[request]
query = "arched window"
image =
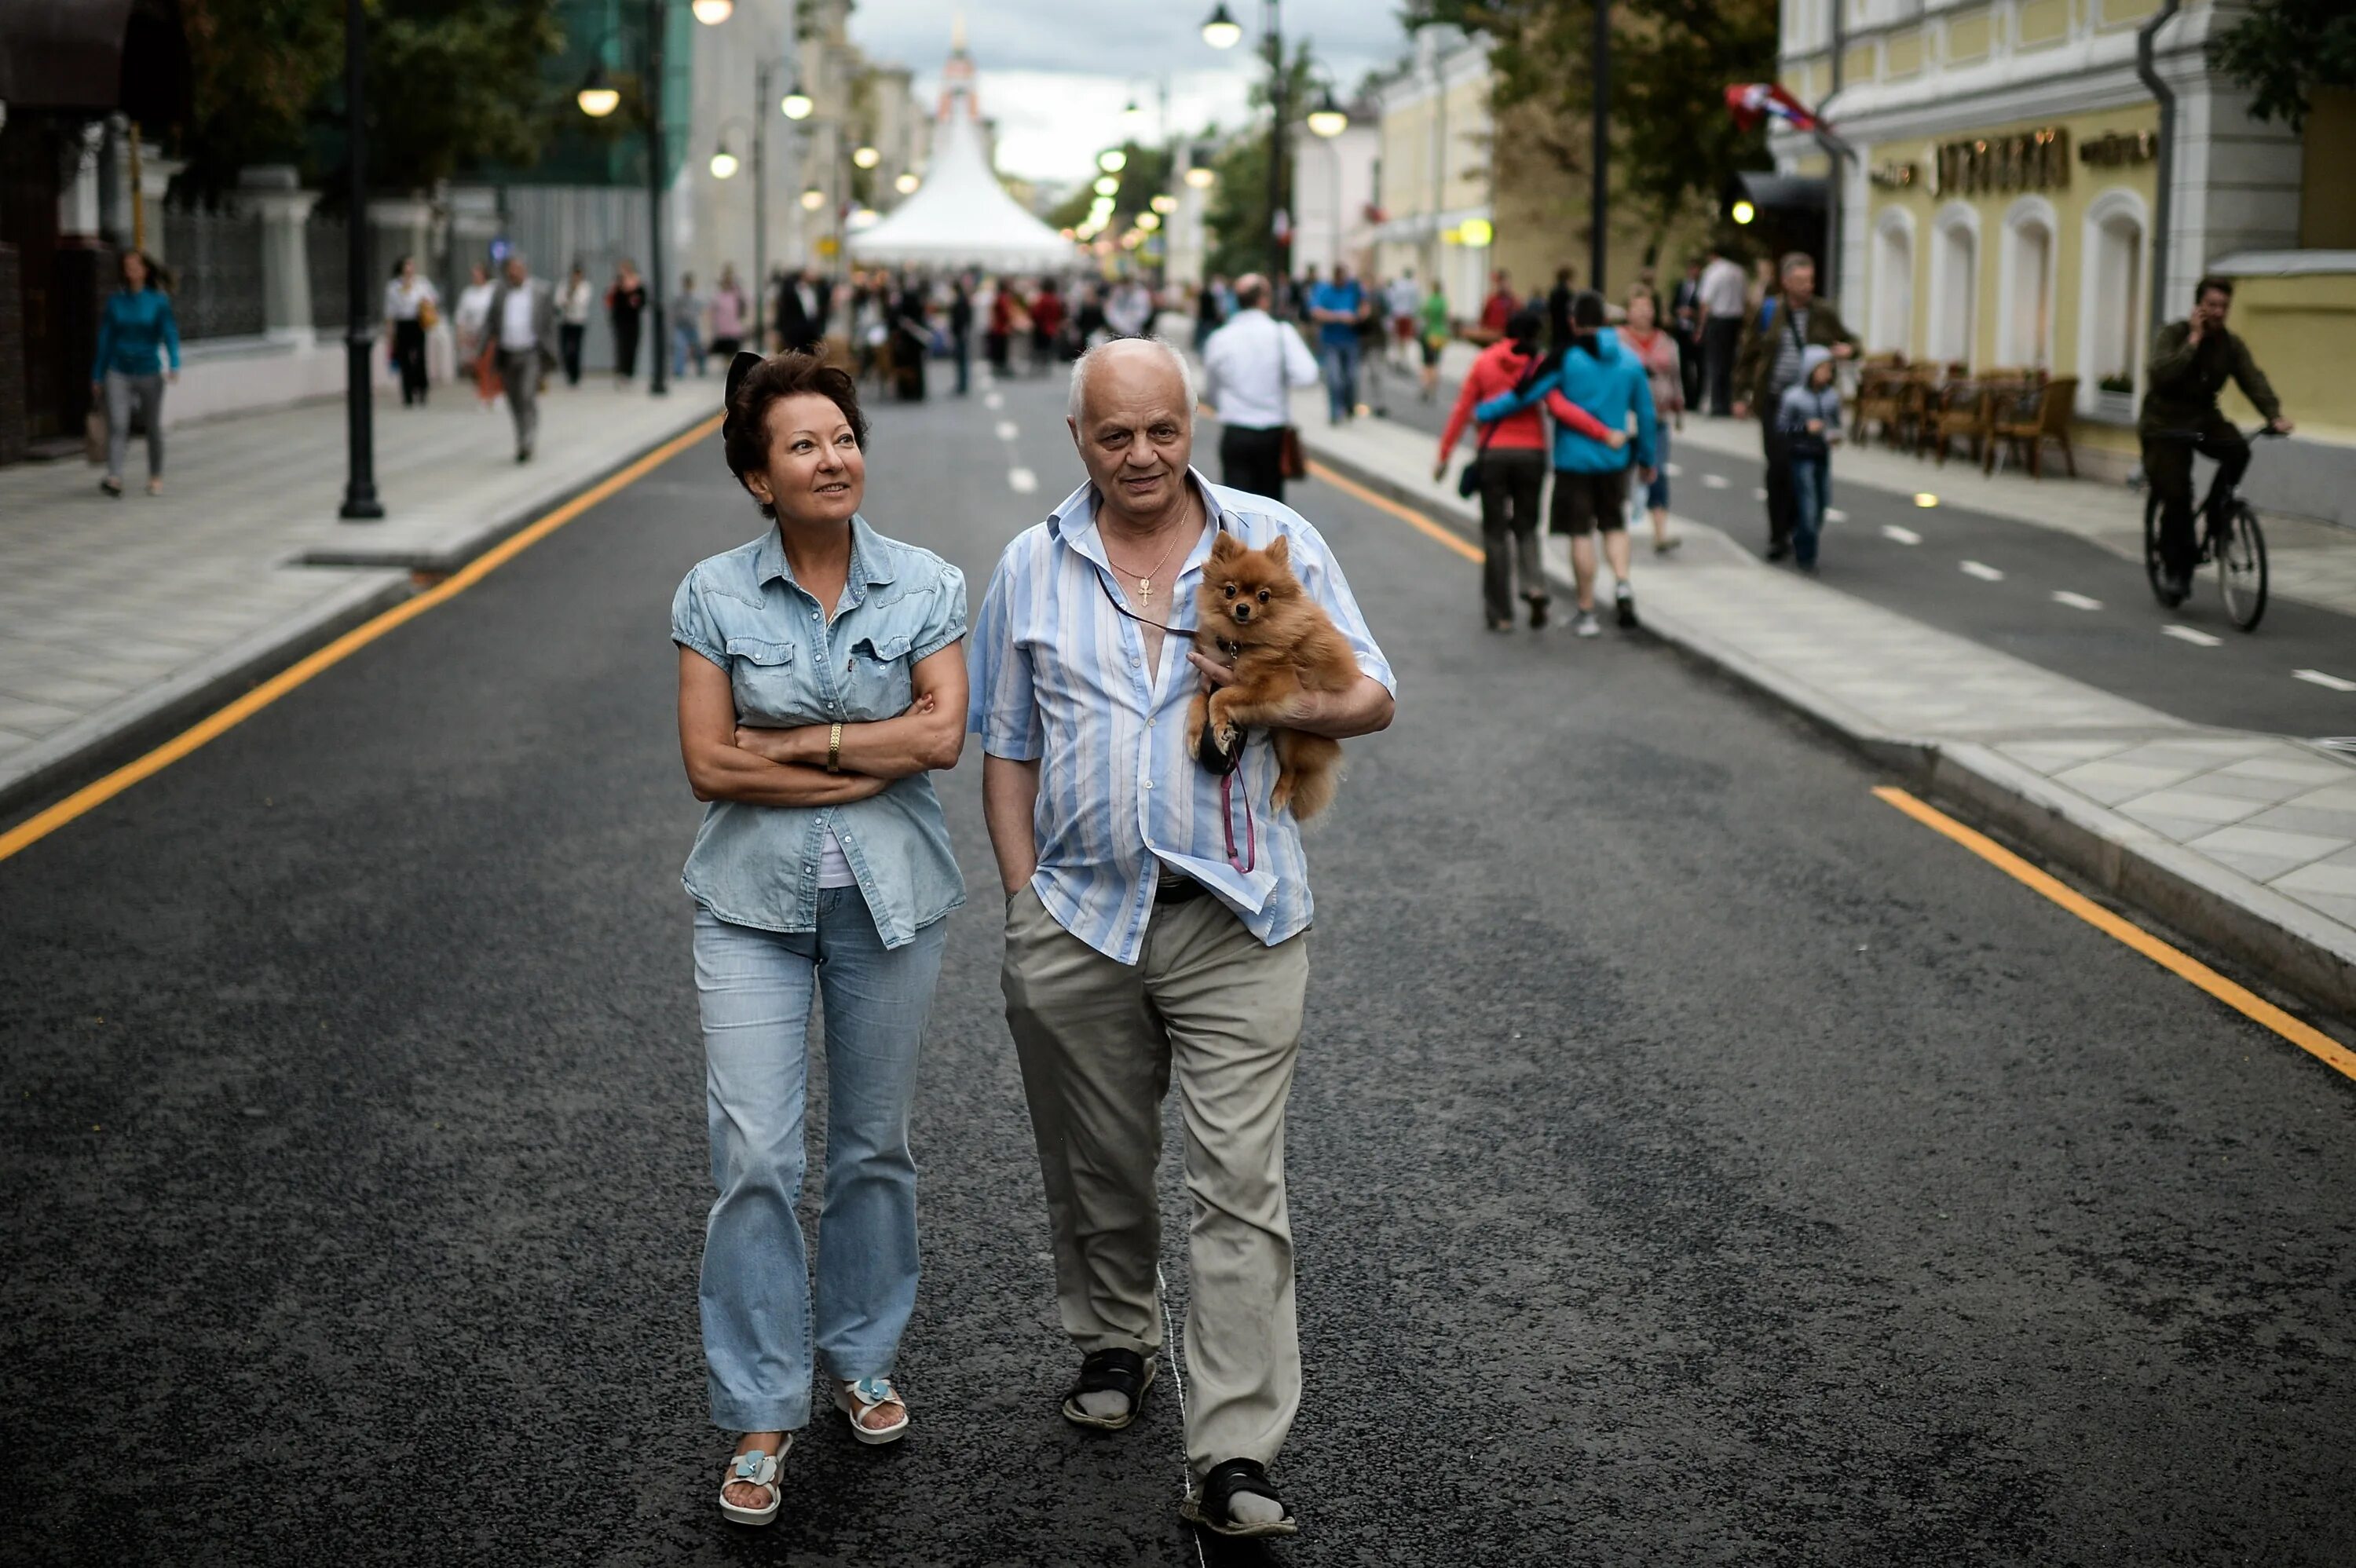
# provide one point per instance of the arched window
(1955, 282)
(2025, 293)
(1891, 323)
(2112, 298)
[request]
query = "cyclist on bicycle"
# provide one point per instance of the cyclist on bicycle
(2190, 362)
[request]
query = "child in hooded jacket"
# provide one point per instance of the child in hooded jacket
(1810, 422)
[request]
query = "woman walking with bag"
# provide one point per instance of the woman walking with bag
(411, 305)
(1657, 350)
(136, 331)
(820, 683)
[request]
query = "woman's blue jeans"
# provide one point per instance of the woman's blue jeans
(1812, 488)
(757, 989)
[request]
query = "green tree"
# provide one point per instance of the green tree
(1144, 175)
(451, 84)
(2283, 50)
(1673, 144)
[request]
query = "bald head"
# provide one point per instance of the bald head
(1127, 366)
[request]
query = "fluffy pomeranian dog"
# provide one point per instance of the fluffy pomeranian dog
(1280, 643)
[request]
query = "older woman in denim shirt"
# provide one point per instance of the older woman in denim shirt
(820, 685)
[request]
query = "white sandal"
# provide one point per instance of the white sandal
(856, 1398)
(758, 1468)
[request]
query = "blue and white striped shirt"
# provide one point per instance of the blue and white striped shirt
(1060, 678)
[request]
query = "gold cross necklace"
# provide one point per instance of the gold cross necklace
(1145, 582)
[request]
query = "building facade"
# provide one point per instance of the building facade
(1334, 196)
(1433, 178)
(2002, 209)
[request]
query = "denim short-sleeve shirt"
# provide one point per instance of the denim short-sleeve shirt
(790, 666)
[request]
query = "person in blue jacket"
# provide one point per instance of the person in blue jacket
(1596, 376)
(136, 332)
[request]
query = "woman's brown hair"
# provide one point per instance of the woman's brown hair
(744, 433)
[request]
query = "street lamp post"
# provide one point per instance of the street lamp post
(659, 379)
(1327, 122)
(598, 98)
(1600, 152)
(1221, 31)
(360, 502)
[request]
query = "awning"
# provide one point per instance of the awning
(1771, 192)
(62, 54)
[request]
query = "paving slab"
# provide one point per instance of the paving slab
(117, 615)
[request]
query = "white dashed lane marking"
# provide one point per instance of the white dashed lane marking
(2187, 634)
(1713, 481)
(2329, 682)
(1902, 536)
(1022, 481)
(993, 400)
(1673, 470)
(1759, 492)
(1982, 570)
(1007, 430)
(1835, 514)
(2075, 601)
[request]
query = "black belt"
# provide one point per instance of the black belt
(1174, 889)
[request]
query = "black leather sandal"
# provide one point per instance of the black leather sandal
(1211, 1507)
(1124, 1372)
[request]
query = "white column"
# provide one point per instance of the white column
(155, 176)
(80, 199)
(269, 191)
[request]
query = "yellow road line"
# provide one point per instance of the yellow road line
(1406, 514)
(34, 828)
(2307, 1038)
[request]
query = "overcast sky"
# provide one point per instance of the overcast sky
(1055, 73)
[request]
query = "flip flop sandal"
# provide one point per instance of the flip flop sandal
(1124, 1372)
(1211, 1507)
(856, 1398)
(760, 1469)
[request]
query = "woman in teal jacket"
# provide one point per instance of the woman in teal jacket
(136, 332)
(1596, 377)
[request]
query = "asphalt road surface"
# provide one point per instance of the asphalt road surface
(2040, 594)
(1694, 1160)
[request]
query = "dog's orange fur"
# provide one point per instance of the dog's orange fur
(1285, 644)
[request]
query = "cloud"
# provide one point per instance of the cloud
(1055, 74)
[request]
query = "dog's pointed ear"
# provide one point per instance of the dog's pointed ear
(1225, 545)
(1279, 550)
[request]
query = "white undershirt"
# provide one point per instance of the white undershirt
(515, 321)
(834, 870)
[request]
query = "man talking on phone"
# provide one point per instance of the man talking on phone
(2190, 362)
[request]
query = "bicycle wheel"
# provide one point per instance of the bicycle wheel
(2152, 569)
(2241, 549)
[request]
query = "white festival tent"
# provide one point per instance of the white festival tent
(961, 217)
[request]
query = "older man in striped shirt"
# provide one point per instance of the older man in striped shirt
(1156, 925)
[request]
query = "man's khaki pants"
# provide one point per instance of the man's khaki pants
(1098, 1040)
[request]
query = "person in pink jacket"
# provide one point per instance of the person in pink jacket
(1513, 469)
(1656, 348)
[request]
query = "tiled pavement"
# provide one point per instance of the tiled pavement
(2257, 831)
(113, 611)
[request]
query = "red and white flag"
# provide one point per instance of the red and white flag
(1751, 101)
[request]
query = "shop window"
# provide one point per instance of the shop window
(2026, 308)
(1890, 323)
(2113, 301)
(1955, 283)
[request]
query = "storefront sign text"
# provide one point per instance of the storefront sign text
(2032, 160)
(2113, 150)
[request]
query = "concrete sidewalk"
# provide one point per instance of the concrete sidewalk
(2245, 840)
(118, 615)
